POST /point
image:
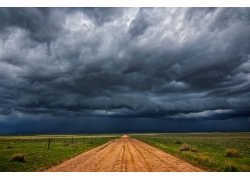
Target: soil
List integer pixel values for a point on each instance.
(125, 155)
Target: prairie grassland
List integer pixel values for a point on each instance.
(37, 156)
(210, 151)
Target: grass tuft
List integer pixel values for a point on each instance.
(194, 149)
(203, 159)
(230, 167)
(18, 157)
(231, 153)
(185, 147)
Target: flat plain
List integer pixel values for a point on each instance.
(210, 152)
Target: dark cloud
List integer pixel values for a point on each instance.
(171, 64)
(102, 15)
(42, 24)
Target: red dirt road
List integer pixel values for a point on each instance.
(125, 155)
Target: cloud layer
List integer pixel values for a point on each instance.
(163, 63)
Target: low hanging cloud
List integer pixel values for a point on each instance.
(163, 63)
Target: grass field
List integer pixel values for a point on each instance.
(210, 151)
(31, 153)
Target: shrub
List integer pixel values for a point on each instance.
(18, 157)
(185, 147)
(178, 142)
(232, 153)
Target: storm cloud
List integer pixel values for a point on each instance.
(177, 65)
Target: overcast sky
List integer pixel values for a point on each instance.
(86, 70)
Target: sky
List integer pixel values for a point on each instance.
(124, 70)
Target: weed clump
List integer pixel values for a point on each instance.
(18, 157)
(185, 147)
(231, 153)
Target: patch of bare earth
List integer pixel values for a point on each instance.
(125, 155)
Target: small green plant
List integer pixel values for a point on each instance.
(231, 153)
(18, 157)
(185, 147)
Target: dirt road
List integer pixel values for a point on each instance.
(125, 155)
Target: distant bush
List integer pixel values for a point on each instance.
(178, 142)
(232, 153)
(185, 147)
(18, 157)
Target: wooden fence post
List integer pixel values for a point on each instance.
(48, 143)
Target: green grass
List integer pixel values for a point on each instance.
(31, 153)
(209, 151)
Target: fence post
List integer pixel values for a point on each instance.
(48, 143)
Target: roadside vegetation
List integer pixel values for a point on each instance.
(220, 152)
(38, 153)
